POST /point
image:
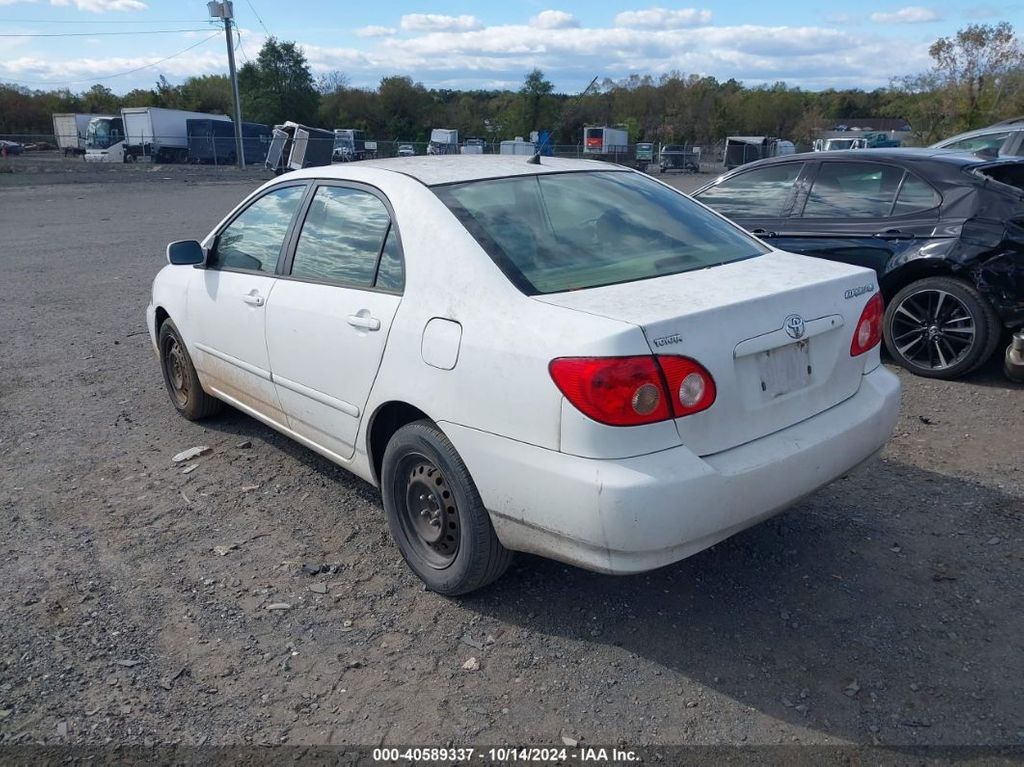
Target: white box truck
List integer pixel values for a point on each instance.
(71, 128)
(443, 141)
(602, 140)
(160, 135)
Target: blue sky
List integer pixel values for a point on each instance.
(472, 44)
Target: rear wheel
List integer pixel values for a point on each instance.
(436, 515)
(180, 377)
(940, 327)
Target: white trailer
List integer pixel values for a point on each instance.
(602, 140)
(517, 146)
(70, 129)
(160, 135)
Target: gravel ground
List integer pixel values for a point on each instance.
(884, 609)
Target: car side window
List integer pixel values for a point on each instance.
(342, 237)
(915, 196)
(990, 142)
(759, 193)
(853, 190)
(253, 240)
(391, 272)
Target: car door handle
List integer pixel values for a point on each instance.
(894, 234)
(363, 322)
(253, 298)
(762, 233)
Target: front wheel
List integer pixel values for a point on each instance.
(940, 327)
(435, 513)
(180, 376)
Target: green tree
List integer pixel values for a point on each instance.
(278, 86)
(974, 68)
(209, 93)
(536, 93)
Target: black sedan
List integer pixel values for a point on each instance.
(943, 230)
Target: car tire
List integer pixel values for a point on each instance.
(435, 513)
(940, 327)
(180, 377)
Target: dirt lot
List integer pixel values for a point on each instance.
(883, 609)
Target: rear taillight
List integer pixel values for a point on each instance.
(868, 332)
(630, 391)
(691, 386)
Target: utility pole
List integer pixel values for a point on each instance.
(225, 10)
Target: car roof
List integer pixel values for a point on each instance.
(894, 154)
(1007, 126)
(433, 170)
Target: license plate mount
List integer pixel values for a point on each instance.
(785, 369)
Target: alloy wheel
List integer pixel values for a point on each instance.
(933, 329)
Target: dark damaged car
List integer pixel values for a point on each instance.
(943, 230)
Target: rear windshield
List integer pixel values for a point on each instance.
(567, 231)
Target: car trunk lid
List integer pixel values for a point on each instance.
(774, 332)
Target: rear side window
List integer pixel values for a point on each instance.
(567, 231)
(915, 196)
(989, 142)
(757, 193)
(853, 190)
(253, 240)
(342, 237)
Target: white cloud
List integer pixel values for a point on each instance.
(809, 56)
(375, 31)
(663, 18)
(554, 20)
(436, 22)
(912, 14)
(102, 6)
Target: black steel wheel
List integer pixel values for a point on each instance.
(940, 327)
(180, 376)
(435, 513)
(429, 516)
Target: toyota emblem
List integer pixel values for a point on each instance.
(795, 327)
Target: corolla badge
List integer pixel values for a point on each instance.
(794, 325)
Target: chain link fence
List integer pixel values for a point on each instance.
(710, 159)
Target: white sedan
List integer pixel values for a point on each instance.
(567, 358)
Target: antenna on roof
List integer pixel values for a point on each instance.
(535, 158)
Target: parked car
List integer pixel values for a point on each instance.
(406, 150)
(12, 147)
(1004, 139)
(566, 358)
(944, 231)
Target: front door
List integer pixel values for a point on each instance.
(227, 302)
(755, 199)
(328, 320)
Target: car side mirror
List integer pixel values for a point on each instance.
(185, 253)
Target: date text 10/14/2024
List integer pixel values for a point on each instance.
(505, 754)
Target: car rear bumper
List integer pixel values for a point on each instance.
(636, 514)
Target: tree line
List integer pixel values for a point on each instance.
(976, 78)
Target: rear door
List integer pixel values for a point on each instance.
(329, 318)
(756, 199)
(860, 212)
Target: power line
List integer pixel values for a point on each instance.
(254, 13)
(100, 34)
(118, 74)
(76, 22)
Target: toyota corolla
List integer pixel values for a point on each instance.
(567, 357)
